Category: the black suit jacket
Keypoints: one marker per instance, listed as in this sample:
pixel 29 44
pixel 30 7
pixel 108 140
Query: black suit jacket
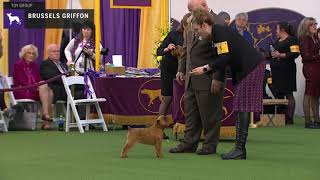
pixel 169 63
pixel 48 69
pixel 232 49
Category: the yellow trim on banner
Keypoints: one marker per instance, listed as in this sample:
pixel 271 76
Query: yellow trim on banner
pixel 127 7
pixel 152 19
pixel 130 120
pixel 85 4
pixel 98 32
pixel 53 36
pixel 4 60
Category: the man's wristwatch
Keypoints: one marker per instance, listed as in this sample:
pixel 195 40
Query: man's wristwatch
pixel 206 68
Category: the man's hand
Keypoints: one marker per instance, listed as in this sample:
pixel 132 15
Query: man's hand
pixel 180 77
pixel 216 86
pixel 198 71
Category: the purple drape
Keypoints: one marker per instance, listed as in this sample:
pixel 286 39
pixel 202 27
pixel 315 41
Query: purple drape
pixel 21 37
pixel 120 30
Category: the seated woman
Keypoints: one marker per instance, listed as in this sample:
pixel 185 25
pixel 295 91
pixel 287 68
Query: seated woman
pixel 26 72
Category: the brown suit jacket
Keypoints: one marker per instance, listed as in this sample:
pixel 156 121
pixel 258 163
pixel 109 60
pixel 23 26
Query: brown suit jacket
pixel 197 51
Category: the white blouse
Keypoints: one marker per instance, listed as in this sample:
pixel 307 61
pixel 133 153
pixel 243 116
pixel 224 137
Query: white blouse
pixel 79 66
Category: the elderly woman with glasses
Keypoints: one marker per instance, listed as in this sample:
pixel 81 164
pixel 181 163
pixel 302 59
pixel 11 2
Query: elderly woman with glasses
pixel 26 72
pixel 310 52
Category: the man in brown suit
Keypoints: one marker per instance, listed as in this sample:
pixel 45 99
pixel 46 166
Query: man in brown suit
pixel 203 107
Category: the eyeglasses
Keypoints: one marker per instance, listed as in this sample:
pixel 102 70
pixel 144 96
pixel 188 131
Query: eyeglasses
pixel 314 24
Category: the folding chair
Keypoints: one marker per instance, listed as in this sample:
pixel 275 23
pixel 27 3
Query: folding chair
pixel 72 105
pixel 8 81
pixel 33 106
pixel 3 125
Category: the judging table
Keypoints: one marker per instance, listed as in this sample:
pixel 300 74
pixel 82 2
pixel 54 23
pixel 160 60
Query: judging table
pixel 136 101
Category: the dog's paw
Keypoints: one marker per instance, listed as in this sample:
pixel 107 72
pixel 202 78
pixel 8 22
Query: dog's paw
pixel 123 156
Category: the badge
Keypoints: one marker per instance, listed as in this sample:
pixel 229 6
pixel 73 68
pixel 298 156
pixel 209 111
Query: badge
pixel 222 47
pixel 295 49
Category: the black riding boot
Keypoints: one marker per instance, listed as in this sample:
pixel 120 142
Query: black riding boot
pixel 242 124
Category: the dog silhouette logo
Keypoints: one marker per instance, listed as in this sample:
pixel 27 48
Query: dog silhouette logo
pixel 152 95
pixel 149 95
pixel 13 18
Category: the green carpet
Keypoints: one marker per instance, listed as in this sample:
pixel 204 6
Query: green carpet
pixel 290 152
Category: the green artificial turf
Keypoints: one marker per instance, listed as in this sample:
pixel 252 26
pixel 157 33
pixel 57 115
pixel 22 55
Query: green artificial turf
pixel 290 152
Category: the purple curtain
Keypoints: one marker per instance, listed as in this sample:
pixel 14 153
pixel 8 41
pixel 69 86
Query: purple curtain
pixel 21 37
pixel 120 30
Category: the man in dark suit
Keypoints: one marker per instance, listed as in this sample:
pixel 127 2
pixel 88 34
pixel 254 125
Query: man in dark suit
pixel 202 107
pixel 52 67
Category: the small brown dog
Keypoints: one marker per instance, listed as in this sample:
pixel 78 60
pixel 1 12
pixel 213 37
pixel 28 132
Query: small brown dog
pixel 152 136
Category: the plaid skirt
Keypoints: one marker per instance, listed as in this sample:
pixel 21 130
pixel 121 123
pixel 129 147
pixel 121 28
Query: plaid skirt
pixel 248 93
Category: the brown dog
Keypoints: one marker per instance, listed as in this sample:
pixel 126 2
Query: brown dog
pixel 152 136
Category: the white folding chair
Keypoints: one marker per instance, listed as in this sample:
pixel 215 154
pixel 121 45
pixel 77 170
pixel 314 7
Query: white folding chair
pixel 3 125
pixel 72 103
pixel 8 82
pixel 30 103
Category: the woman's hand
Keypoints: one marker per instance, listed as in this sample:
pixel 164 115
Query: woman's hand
pixel 170 47
pixel 275 54
pixel 88 51
pixel 69 62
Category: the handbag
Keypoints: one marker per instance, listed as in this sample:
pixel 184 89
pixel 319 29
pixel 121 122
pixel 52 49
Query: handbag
pixel 22 120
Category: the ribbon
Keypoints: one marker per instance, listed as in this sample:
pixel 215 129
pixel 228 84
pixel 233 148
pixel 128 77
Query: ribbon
pixel 34 85
pixel 89 74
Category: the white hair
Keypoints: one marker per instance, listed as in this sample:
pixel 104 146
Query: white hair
pixel 25 48
pixel 243 14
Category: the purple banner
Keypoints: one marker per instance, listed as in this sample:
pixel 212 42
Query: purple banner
pixel 131 3
pixel 263 24
pixel 144 98
pixel 129 96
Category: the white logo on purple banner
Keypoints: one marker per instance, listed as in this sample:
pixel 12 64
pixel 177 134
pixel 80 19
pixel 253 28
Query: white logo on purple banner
pixel 13 18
